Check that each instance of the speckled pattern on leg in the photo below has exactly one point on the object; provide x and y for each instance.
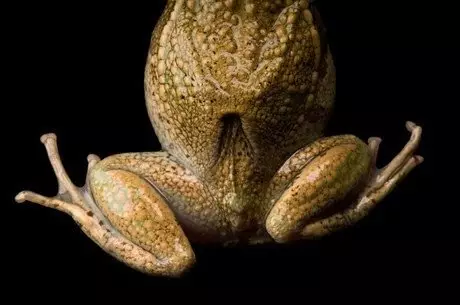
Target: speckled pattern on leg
(192, 202)
(314, 179)
(166, 253)
(379, 184)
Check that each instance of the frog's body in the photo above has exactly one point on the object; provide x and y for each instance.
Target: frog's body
(234, 100)
(238, 93)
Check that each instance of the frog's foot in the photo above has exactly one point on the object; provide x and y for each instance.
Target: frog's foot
(401, 165)
(167, 256)
(69, 198)
(381, 183)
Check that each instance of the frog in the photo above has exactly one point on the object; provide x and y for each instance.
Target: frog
(239, 93)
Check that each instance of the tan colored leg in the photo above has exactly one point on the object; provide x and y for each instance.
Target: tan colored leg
(381, 183)
(313, 180)
(310, 195)
(170, 253)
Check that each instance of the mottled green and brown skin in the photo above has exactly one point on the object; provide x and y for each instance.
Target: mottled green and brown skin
(238, 93)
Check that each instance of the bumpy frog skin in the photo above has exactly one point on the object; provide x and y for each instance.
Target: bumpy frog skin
(238, 92)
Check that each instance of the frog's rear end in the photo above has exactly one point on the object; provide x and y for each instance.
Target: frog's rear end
(234, 88)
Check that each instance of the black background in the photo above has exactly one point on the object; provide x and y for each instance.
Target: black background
(78, 72)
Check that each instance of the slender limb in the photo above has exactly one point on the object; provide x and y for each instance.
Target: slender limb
(374, 144)
(92, 161)
(406, 153)
(48, 202)
(378, 194)
(64, 183)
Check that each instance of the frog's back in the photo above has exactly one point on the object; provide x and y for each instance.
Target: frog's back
(253, 79)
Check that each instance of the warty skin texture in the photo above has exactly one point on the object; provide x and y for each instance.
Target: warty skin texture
(238, 93)
(234, 100)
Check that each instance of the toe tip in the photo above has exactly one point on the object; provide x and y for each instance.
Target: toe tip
(48, 136)
(418, 159)
(20, 198)
(377, 140)
(93, 158)
(411, 126)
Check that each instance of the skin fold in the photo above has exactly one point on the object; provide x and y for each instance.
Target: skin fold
(239, 93)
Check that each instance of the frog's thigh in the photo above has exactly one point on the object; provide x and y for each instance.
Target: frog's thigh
(313, 180)
(137, 212)
(188, 198)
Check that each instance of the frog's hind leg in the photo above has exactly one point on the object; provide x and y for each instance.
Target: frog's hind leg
(332, 184)
(380, 184)
(164, 250)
